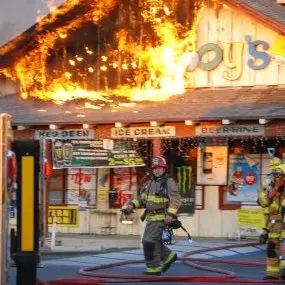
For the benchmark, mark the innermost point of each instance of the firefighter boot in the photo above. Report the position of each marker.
(172, 257)
(282, 269)
(282, 261)
(270, 278)
(152, 270)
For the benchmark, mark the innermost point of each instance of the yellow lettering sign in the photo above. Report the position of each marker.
(65, 215)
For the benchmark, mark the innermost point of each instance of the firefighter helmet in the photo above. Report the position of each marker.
(275, 162)
(158, 161)
(281, 168)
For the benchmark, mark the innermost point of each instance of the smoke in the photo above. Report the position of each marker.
(18, 16)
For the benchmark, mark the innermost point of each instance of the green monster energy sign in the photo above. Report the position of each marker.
(184, 176)
(185, 179)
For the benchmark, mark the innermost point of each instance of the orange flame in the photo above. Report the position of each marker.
(158, 66)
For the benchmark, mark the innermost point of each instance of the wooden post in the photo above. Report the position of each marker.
(4, 213)
(157, 147)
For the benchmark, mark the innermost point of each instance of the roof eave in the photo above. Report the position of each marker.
(276, 26)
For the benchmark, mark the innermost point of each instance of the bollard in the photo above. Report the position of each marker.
(27, 249)
(53, 233)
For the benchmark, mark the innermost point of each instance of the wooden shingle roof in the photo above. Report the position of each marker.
(269, 12)
(199, 104)
(208, 104)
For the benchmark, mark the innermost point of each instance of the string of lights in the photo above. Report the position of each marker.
(184, 145)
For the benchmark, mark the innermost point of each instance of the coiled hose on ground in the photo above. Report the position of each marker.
(228, 276)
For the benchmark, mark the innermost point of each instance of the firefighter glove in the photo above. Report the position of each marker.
(263, 238)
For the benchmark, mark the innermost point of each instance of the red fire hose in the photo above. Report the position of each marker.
(228, 277)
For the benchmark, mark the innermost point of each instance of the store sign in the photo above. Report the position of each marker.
(94, 154)
(143, 132)
(230, 130)
(232, 56)
(64, 134)
(64, 215)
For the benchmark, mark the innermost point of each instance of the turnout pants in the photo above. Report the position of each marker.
(274, 266)
(154, 250)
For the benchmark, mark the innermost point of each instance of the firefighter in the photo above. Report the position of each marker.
(161, 199)
(272, 199)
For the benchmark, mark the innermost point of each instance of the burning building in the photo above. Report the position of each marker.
(201, 82)
(96, 51)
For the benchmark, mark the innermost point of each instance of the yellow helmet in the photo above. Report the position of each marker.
(280, 168)
(275, 162)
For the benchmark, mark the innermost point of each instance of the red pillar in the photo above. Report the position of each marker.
(157, 147)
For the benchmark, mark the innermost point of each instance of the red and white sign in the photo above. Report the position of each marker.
(81, 186)
(250, 179)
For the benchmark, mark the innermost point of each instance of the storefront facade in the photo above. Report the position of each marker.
(94, 196)
(216, 136)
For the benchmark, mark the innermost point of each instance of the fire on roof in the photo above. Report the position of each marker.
(106, 52)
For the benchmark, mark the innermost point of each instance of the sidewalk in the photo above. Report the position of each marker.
(84, 243)
(101, 250)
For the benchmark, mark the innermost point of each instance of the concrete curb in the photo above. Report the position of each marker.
(78, 249)
(67, 245)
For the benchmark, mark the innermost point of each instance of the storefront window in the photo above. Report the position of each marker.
(246, 175)
(199, 197)
(124, 186)
(56, 187)
(81, 186)
(75, 186)
(224, 204)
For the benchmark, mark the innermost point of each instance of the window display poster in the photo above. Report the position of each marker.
(185, 183)
(186, 175)
(103, 184)
(81, 185)
(253, 218)
(212, 165)
(244, 178)
(250, 222)
(124, 186)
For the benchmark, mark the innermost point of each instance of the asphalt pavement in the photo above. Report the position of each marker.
(60, 264)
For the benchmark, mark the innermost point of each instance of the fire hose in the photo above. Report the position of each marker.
(228, 276)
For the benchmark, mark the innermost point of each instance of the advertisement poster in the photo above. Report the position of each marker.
(124, 186)
(244, 178)
(251, 217)
(103, 184)
(94, 154)
(212, 165)
(250, 222)
(186, 180)
(81, 187)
